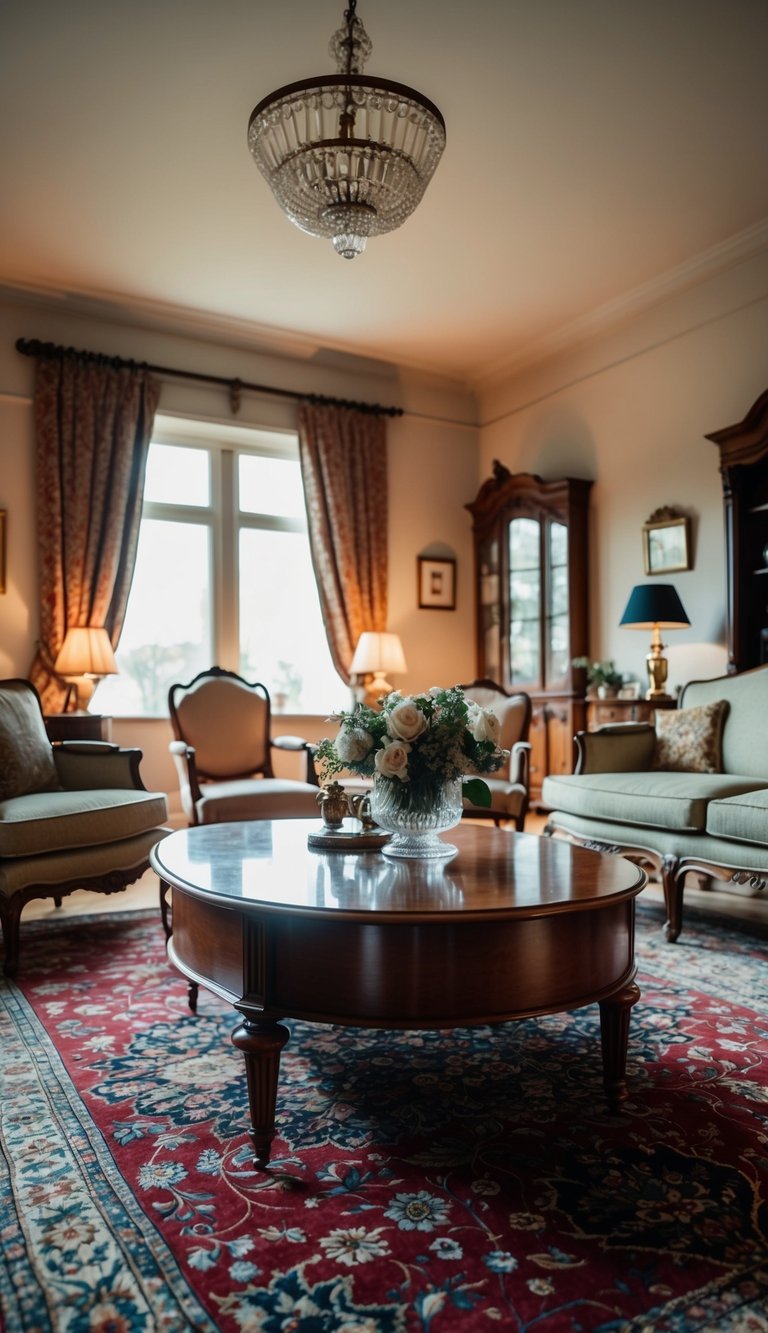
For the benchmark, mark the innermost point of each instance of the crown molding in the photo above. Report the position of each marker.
(190, 322)
(606, 318)
(167, 317)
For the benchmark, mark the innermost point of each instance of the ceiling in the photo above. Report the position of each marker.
(599, 153)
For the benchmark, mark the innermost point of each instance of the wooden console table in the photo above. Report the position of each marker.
(601, 712)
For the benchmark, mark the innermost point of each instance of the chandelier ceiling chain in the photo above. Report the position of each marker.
(346, 155)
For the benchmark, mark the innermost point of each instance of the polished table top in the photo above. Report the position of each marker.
(268, 865)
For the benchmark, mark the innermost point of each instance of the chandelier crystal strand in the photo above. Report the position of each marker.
(347, 156)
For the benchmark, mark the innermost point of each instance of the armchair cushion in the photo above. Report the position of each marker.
(43, 822)
(508, 799)
(255, 798)
(690, 740)
(86, 867)
(26, 754)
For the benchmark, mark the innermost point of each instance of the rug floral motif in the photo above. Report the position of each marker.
(458, 1180)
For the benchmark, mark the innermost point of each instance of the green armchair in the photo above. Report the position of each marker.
(72, 816)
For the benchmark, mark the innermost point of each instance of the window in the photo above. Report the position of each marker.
(223, 575)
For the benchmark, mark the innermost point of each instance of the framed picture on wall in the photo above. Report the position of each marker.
(436, 583)
(666, 542)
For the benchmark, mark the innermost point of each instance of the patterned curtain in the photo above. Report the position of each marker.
(344, 468)
(93, 423)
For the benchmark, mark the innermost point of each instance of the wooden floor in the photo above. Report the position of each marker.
(742, 905)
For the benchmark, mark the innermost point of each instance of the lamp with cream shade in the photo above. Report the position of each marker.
(84, 657)
(375, 655)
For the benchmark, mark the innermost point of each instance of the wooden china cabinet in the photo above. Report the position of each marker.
(744, 469)
(531, 572)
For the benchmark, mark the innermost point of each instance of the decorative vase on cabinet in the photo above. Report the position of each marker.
(531, 569)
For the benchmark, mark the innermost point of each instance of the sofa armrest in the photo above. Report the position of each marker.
(625, 747)
(297, 743)
(90, 765)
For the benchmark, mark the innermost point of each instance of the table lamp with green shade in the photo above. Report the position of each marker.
(655, 606)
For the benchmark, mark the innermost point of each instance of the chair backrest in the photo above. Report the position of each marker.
(26, 757)
(227, 720)
(745, 731)
(512, 710)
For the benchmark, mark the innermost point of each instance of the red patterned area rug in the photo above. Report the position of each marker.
(420, 1181)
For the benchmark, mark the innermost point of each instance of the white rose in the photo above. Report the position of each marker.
(405, 722)
(352, 746)
(392, 761)
(484, 724)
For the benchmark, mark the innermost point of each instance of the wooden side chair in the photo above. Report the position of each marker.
(223, 753)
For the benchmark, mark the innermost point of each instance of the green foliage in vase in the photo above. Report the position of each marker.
(424, 739)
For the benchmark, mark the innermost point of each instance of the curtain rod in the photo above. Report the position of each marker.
(52, 352)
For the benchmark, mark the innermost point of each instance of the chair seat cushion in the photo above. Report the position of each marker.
(742, 818)
(646, 799)
(86, 867)
(507, 799)
(51, 821)
(257, 798)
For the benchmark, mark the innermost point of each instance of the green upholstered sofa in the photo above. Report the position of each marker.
(676, 820)
(74, 815)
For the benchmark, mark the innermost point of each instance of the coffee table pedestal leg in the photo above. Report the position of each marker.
(614, 1036)
(261, 1044)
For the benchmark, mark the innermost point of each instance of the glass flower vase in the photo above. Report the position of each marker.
(415, 814)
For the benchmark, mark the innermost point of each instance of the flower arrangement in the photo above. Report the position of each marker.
(425, 740)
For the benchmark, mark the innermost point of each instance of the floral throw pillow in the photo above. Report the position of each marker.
(26, 757)
(690, 741)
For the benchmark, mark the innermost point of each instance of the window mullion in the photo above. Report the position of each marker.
(225, 572)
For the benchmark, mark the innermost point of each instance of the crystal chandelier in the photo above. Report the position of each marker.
(347, 156)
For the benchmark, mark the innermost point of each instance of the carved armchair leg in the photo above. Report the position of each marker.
(672, 883)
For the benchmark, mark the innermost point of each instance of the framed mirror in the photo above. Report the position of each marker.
(666, 542)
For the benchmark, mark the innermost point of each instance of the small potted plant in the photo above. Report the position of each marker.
(602, 677)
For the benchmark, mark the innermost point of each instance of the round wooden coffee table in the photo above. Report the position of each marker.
(512, 927)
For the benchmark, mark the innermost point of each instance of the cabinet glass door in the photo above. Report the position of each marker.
(556, 625)
(524, 593)
(489, 609)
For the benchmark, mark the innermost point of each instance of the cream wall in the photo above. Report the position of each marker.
(630, 412)
(432, 469)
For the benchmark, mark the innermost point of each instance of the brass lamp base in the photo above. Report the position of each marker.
(373, 689)
(658, 669)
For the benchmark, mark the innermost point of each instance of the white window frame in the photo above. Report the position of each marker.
(223, 443)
